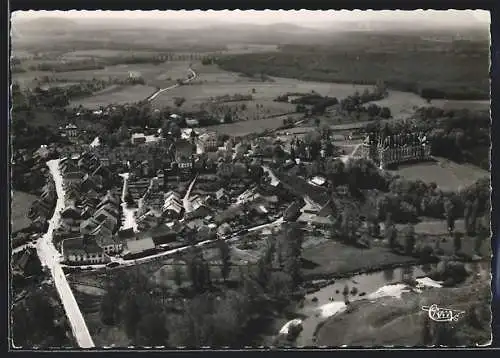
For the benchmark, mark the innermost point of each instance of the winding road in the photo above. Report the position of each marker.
(50, 257)
(160, 91)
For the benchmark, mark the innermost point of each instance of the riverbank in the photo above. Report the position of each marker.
(400, 321)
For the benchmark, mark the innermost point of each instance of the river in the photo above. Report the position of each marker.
(329, 300)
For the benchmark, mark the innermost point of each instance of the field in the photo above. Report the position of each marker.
(446, 174)
(20, 205)
(102, 53)
(120, 95)
(393, 321)
(334, 258)
(161, 75)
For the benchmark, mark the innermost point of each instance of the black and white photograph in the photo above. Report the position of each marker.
(236, 179)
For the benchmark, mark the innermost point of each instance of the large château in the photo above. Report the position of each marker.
(396, 149)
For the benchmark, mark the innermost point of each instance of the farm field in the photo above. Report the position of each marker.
(20, 206)
(243, 128)
(161, 75)
(446, 174)
(233, 49)
(102, 53)
(123, 95)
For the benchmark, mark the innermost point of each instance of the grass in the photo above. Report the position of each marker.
(446, 174)
(393, 321)
(20, 205)
(162, 75)
(123, 95)
(334, 258)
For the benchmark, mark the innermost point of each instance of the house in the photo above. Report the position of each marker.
(71, 212)
(221, 196)
(208, 142)
(315, 220)
(110, 244)
(172, 207)
(126, 234)
(138, 138)
(192, 122)
(71, 177)
(83, 250)
(199, 209)
(184, 151)
(104, 229)
(109, 200)
(40, 208)
(68, 165)
(163, 235)
(91, 182)
(139, 247)
(70, 131)
(317, 181)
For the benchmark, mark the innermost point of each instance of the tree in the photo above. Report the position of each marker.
(108, 310)
(175, 130)
(426, 332)
(179, 101)
(473, 216)
(177, 274)
(457, 242)
(224, 252)
(152, 330)
(350, 223)
(131, 314)
(449, 209)
(467, 216)
(385, 113)
(409, 235)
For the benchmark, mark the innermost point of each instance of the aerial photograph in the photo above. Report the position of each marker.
(248, 179)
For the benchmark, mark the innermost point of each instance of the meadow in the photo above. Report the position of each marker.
(447, 175)
(120, 95)
(20, 205)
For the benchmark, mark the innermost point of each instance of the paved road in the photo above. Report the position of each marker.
(159, 92)
(49, 257)
(128, 214)
(185, 200)
(230, 239)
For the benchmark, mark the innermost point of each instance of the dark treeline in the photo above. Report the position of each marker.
(434, 78)
(459, 135)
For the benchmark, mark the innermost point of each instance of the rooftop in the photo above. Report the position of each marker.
(80, 246)
(141, 245)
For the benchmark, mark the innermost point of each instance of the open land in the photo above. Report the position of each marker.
(20, 206)
(127, 94)
(394, 321)
(446, 174)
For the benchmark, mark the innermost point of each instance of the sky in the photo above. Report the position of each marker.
(299, 17)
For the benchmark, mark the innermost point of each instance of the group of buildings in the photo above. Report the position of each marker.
(395, 149)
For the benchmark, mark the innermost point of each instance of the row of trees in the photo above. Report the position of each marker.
(215, 315)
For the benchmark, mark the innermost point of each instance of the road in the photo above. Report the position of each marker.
(49, 257)
(185, 200)
(230, 239)
(128, 214)
(160, 91)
